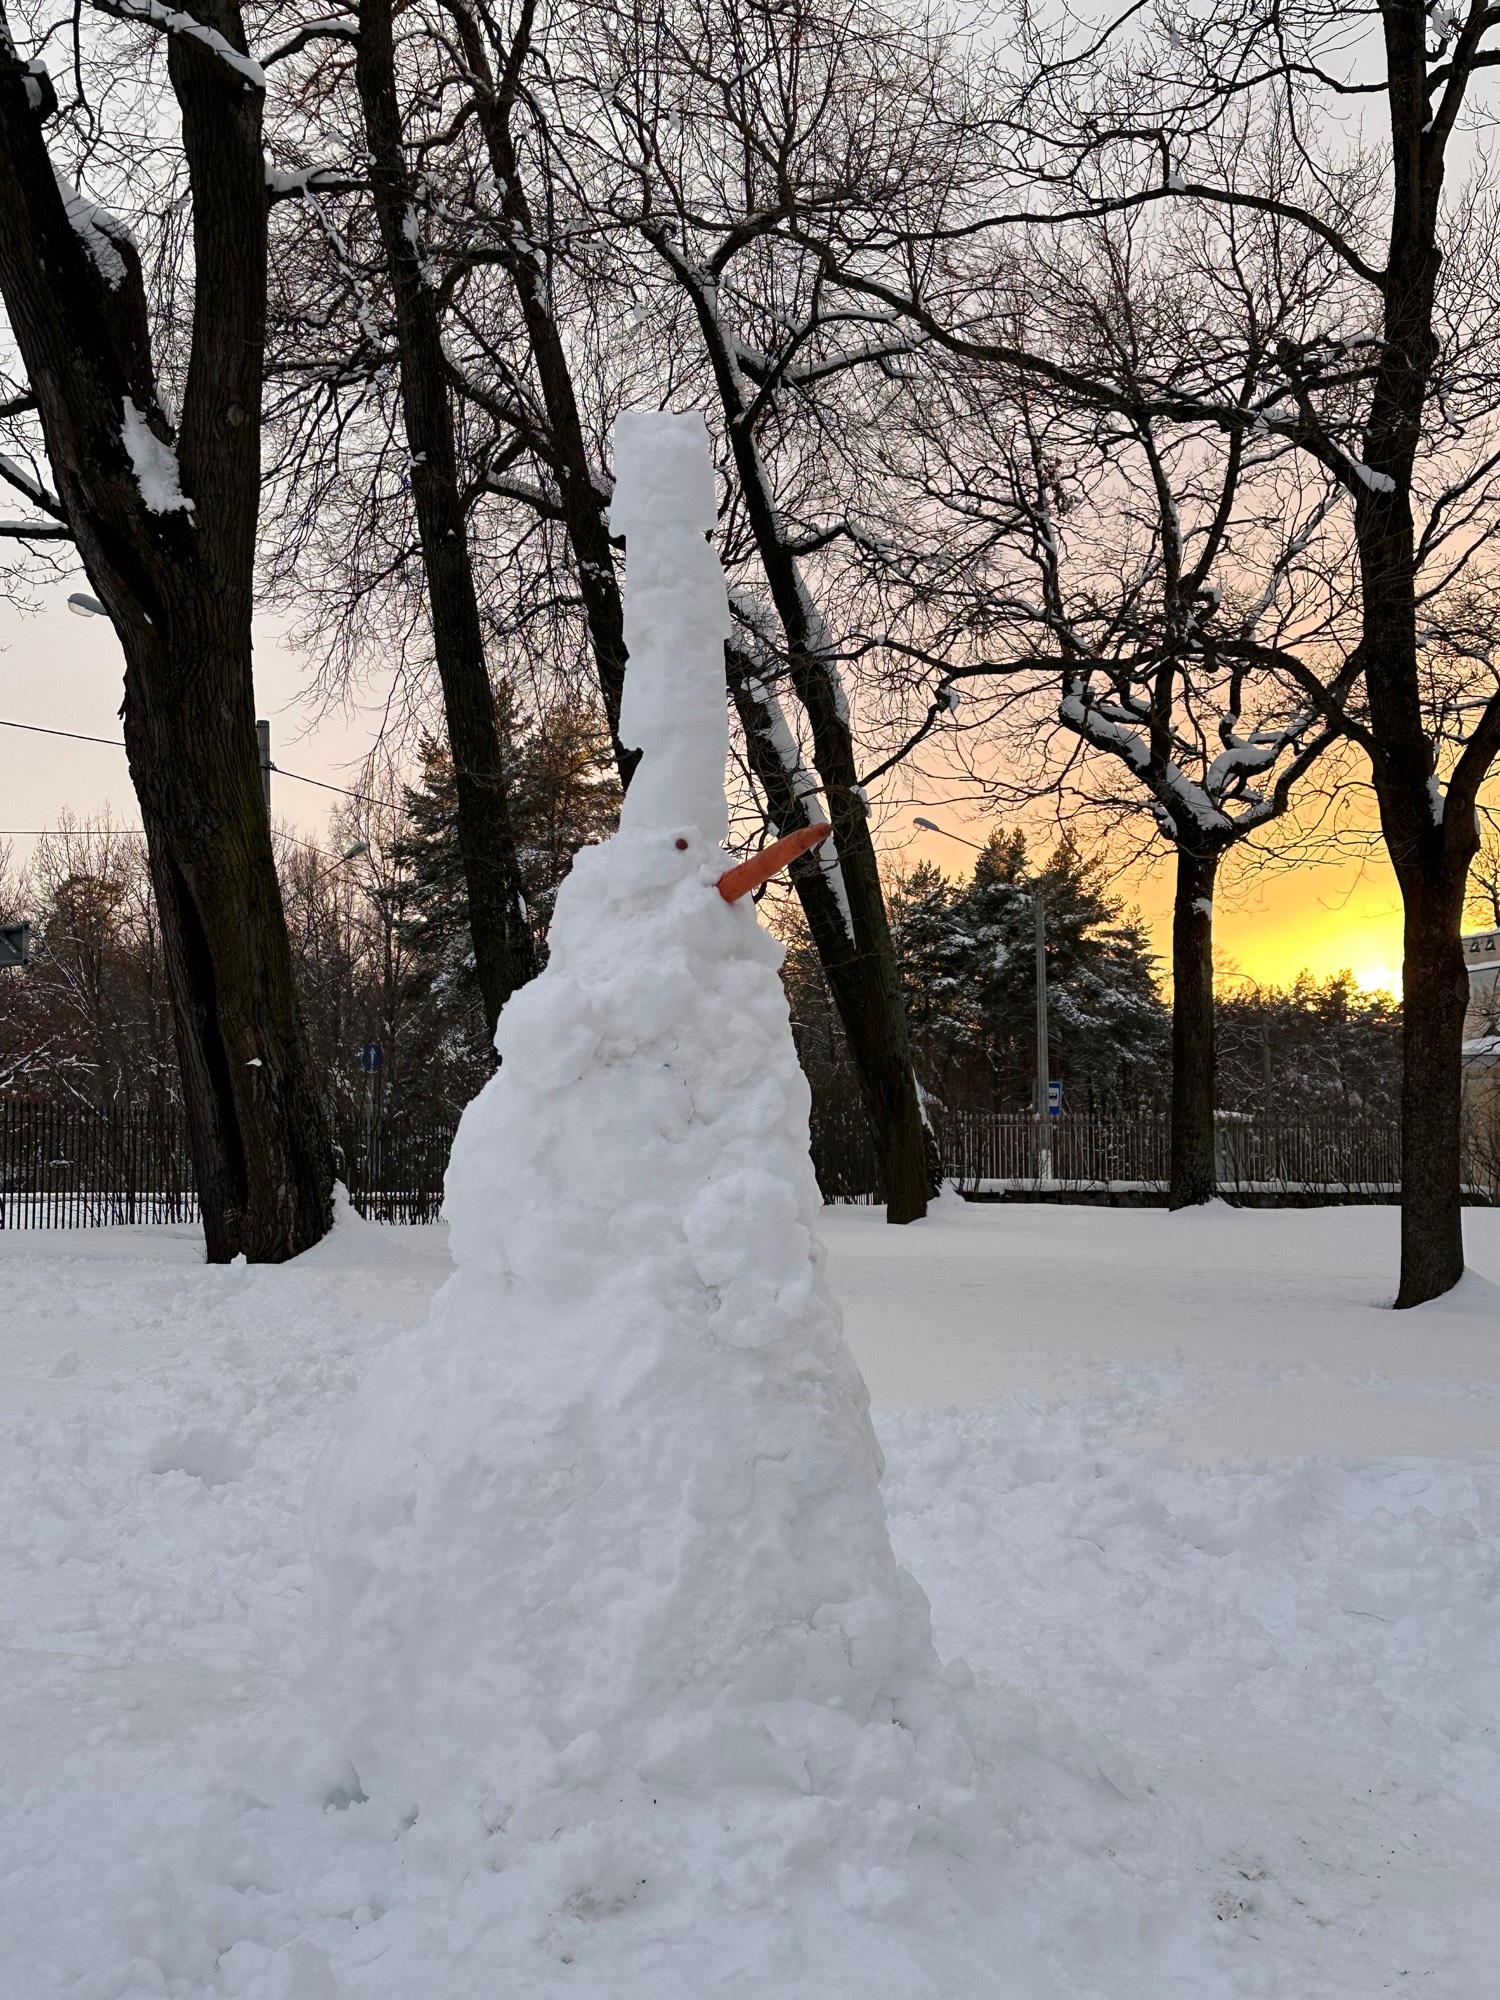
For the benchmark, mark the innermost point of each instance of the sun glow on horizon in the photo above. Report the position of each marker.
(1321, 918)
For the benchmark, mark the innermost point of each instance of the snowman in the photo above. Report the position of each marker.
(608, 1533)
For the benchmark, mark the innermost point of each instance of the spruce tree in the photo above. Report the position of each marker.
(968, 972)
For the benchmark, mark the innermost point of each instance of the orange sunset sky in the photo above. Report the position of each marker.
(1270, 923)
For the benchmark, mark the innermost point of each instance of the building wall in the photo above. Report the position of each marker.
(1482, 955)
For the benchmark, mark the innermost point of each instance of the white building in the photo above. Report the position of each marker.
(1482, 956)
(1482, 1056)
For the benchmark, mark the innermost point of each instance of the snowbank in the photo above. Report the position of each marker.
(1234, 1721)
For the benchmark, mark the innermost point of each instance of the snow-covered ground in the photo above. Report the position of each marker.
(1217, 1534)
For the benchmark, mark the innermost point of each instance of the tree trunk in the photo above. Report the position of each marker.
(865, 958)
(259, 1140)
(504, 949)
(1194, 1172)
(1435, 998)
(859, 960)
(1430, 841)
(848, 979)
(165, 527)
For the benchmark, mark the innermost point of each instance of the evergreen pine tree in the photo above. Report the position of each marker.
(967, 960)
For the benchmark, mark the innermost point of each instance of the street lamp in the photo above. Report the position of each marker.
(84, 606)
(931, 826)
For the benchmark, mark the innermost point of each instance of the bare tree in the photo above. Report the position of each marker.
(1111, 585)
(539, 205)
(495, 59)
(1391, 388)
(503, 948)
(725, 122)
(163, 516)
(89, 1020)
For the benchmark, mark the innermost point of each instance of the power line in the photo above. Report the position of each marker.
(36, 729)
(139, 833)
(363, 797)
(46, 832)
(115, 743)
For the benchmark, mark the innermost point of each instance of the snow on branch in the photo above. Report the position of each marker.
(155, 465)
(334, 29)
(1091, 720)
(26, 483)
(365, 309)
(173, 21)
(285, 184)
(1282, 566)
(777, 732)
(1368, 477)
(541, 496)
(102, 235)
(35, 531)
(1242, 760)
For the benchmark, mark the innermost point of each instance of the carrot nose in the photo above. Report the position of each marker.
(747, 875)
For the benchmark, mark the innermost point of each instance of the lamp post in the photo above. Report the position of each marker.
(263, 752)
(1043, 1085)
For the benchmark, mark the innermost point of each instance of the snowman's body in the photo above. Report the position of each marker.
(610, 1528)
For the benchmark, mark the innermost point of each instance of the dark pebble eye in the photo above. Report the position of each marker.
(681, 844)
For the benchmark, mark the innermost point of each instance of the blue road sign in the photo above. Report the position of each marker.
(370, 1058)
(1054, 1100)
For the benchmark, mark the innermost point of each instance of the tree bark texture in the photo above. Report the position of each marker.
(1194, 1166)
(1435, 996)
(165, 527)
(504, 949)
(1430, 839)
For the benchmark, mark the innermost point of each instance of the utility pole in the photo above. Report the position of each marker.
(263, 746)
(1043, 1086)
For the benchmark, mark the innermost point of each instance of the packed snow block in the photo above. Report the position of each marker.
(663, 473)
(608, 1531)
(676, 622)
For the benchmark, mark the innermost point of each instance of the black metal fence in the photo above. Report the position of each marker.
(71, 1166)
(992, 1151)
(394, 1169)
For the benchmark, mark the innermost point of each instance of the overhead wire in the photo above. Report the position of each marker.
(117, 743)
(139, 832)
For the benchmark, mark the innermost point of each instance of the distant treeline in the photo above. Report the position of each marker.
(381, 948)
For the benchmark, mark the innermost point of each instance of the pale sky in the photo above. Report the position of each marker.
(64, 672)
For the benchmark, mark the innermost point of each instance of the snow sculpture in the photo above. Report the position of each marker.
(608, 1531)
